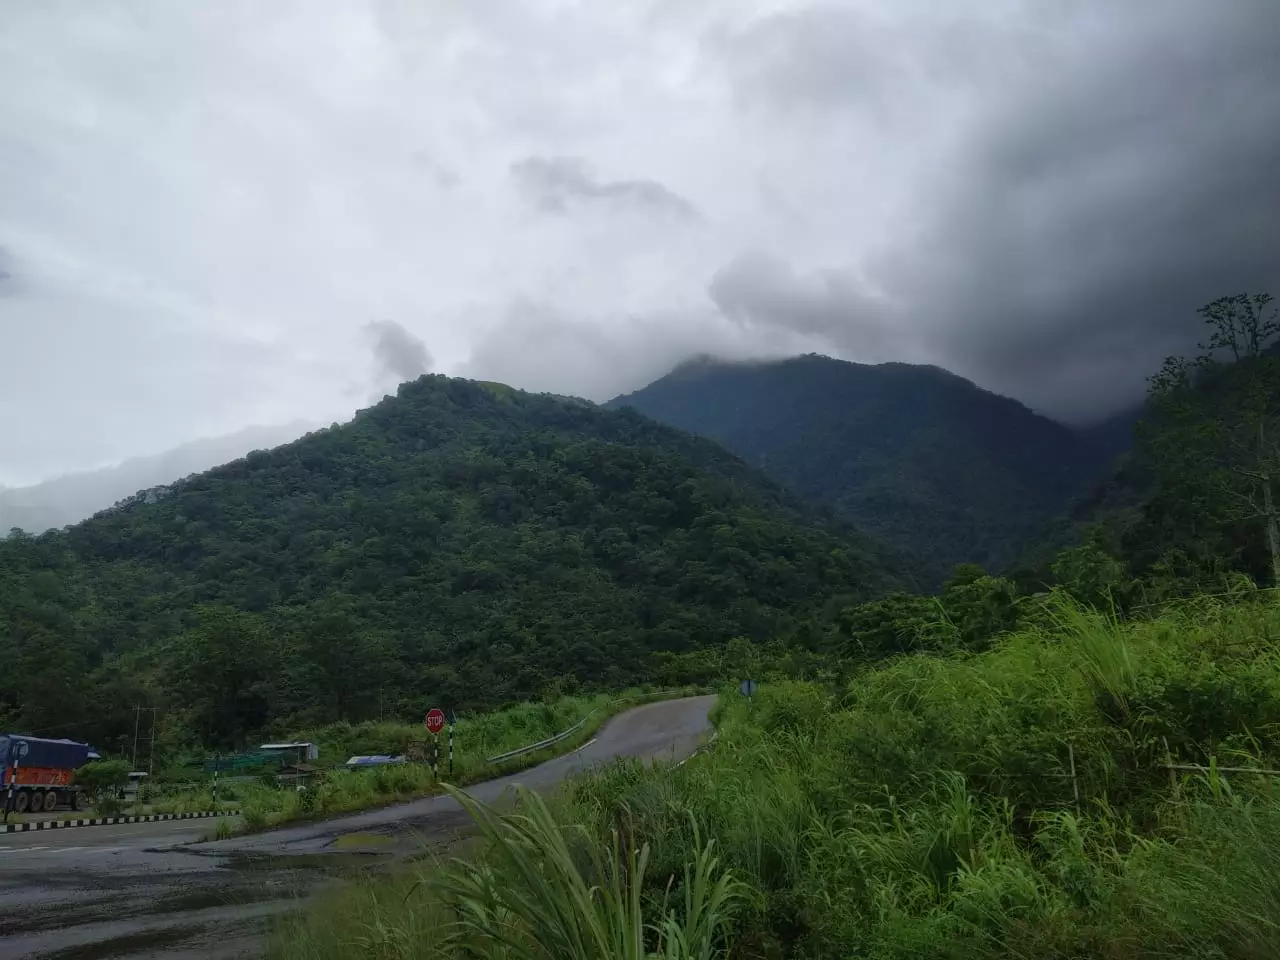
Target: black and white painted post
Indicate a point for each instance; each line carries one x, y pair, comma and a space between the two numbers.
215, 784
16, 752
434, 724
453, 719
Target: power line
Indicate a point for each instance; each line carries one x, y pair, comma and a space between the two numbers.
39, 731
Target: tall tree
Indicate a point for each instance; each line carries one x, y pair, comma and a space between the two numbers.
224, 673
1213, 432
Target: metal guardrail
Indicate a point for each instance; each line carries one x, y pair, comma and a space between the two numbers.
551, 741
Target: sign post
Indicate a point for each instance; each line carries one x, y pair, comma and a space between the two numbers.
748, 687
434, 724
453, 720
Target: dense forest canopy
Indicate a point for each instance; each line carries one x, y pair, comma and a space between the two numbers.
917, 457
461, 543
1210, 448
468, 544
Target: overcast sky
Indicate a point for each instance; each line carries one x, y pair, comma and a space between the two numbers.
220, 214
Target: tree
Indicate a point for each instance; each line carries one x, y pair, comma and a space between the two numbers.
102, 780
1211, 434
225, 673
1091, 575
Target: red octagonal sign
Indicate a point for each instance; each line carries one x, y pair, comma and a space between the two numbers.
435, 719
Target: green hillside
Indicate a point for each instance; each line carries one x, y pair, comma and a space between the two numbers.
460, 543
916, 456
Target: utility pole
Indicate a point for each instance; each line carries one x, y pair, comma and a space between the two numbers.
137, 721
151, 753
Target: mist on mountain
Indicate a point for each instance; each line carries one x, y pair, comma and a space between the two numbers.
75, 496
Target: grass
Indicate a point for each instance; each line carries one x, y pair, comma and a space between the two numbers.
538, 891
926, 809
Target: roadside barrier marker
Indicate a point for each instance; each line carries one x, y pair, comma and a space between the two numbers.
111, 821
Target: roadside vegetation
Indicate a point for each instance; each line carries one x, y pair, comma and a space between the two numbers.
337, 790
927, 808
267, 799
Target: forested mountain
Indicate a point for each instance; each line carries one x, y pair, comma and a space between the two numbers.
916, 456
461, 544
1194, 499
75, 496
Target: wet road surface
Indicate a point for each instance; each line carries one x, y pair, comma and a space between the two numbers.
152, 891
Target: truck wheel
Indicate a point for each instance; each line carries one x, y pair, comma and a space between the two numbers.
51, 801
22, 801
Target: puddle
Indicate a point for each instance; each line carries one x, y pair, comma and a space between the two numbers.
124, 945
139, 902
344, 864
349, 840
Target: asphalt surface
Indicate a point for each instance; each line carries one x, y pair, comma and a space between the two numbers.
153, 891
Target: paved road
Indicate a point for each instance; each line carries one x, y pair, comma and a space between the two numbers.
149, 890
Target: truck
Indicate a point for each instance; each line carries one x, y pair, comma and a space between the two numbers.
45, 772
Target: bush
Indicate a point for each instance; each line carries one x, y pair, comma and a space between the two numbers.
108, 806
103, 780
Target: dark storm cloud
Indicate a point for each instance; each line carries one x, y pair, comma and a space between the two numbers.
1088, 230
399, 355
1089, 211
554, 184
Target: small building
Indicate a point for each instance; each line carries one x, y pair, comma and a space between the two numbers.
290, 754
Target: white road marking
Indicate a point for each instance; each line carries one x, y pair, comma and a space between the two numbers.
587, 744
82, 851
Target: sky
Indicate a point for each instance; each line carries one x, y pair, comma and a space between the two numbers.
218, 215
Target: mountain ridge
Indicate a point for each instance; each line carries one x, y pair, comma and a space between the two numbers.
918, 457
460, 541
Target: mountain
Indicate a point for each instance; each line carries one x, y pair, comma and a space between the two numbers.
917, 457
460, 544
75, 496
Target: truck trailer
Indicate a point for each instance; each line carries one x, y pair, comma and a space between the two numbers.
45, 769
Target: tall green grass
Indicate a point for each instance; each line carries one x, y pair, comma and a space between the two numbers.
928, 809
535, 890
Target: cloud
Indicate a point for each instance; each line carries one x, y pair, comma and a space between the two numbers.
830, 58
757, 289
1092, 214
1085, 209
397, 353
554, 184
202, 204
537, 347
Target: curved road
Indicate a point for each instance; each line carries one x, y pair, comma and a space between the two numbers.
150, 890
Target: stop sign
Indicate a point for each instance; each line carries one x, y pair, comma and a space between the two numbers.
435, 719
